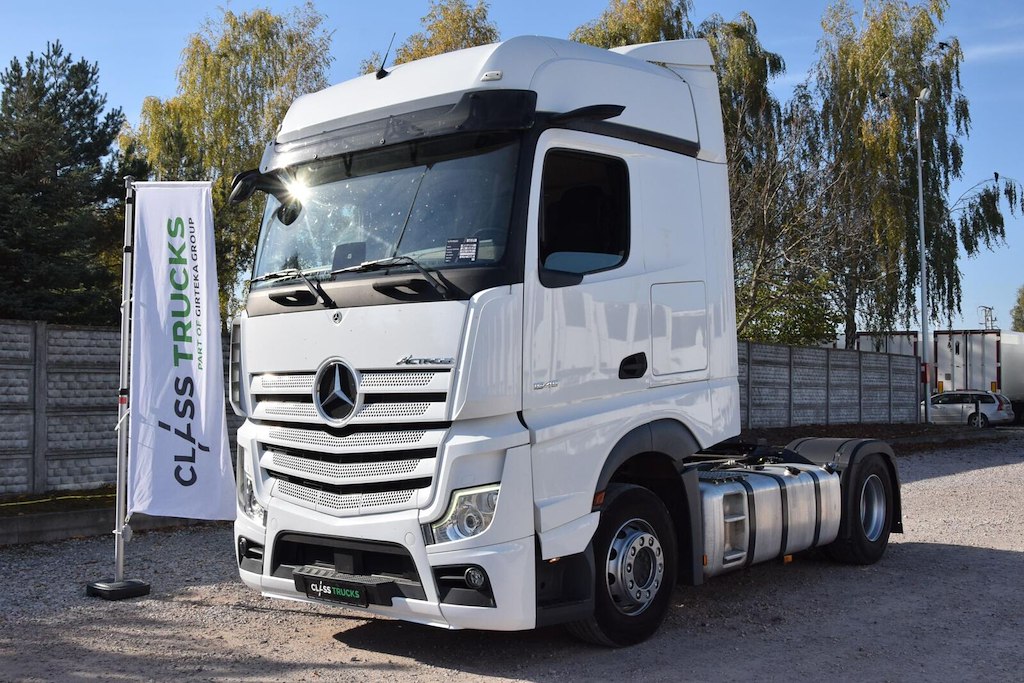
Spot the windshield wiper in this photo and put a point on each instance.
(390, 261)
(317, 289)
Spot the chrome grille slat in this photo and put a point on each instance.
(396, 380)
(388, 412)
(300, 412)
(394, 410)
(372, 382)
(328, 443)
(341, 473)
(405, 382)
(373, 413)
(281, 384)
(351, 503)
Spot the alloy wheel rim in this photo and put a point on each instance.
(872, 507)
(635, 567)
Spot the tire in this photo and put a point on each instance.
(972, 420)
(631, 597)
(867, 520)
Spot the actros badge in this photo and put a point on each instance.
(409, 360)
(336, 392)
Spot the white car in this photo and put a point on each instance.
(976, 408)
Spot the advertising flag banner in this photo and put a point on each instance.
(179, 464)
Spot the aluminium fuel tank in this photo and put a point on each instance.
(759, 513)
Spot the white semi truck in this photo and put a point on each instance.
(488, 354)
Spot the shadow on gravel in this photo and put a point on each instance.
(507, 652)
(51, 653)
(69, 652)
(925, 611)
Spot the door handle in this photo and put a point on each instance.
(633, 367)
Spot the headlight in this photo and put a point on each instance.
(469, 514)
(248, 502)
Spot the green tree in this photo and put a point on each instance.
(823, 188)
(1017, 312)
(237, 77)
(630, 22)
(449, 25)
(873, 64)
(780, 296)
(60, 221)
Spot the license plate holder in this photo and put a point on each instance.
(333, 590)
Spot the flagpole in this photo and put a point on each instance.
(119, 588)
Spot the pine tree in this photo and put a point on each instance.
(59, 185)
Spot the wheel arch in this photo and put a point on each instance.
(652, 455)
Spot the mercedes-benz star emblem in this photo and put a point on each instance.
(336, 392)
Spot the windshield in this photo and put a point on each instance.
(444, 202)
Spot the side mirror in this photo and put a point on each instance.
(289, 211)
(244, 185)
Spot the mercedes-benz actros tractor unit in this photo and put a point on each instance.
(488, 358)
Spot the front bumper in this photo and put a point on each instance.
(509, 566)
(391, 544)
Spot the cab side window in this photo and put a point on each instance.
(584, 225)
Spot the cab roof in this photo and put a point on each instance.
(650, 80)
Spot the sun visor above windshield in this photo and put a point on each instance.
(482, 110)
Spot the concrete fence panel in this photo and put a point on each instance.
(789, 386)
(58, 398)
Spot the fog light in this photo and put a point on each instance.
(475, 578)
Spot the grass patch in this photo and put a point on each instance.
(58, 501)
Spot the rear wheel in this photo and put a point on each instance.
(867, 519)
(977, 420)
(635, 558)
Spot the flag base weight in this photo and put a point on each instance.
(110, 589)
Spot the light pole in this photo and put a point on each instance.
(923, 97)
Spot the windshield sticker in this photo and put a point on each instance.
(461, 250)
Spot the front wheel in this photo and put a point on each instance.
(867, 519)
(635, 558)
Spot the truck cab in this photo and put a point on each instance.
(489, 345)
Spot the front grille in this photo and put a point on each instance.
(380, 461)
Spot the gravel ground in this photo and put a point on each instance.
(943, 604)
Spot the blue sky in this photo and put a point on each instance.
(138, 45)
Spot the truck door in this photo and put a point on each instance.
(587, 306)
(614, 307)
